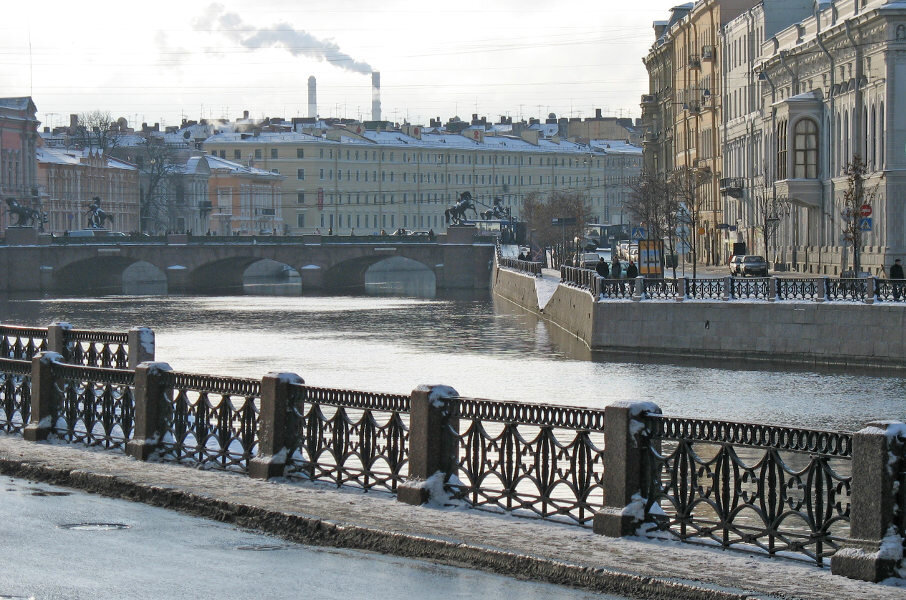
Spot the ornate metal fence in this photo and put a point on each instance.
(15, 394)
(524, 266)
(663, 289)
(705, 289)
(743, 287)
(210, 421)
(853, 290)
(583, 278)
(109, 349)
(544, 461)
(348, 437)
(94, 406)
(617, 288)
(780, 489)
(887, 290)
(799, 288)
(22, 343)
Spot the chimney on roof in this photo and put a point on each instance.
(245, 115)
(375, 96)
(597, 113)
(312, 98)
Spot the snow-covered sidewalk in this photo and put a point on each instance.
(544, 551)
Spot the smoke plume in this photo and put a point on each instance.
(281, 35)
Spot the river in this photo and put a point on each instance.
(482, 347)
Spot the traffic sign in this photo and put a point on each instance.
(638, 233)
(563, 221)
(865, 224)
(865, 210)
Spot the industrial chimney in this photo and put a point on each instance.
(312, 98)
(375, 96)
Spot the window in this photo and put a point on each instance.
(781, 150)
(300, 197)
(300, 173)
(237, 154)
(321, 174)
(273, 153)
(257, 152)
(300, 220)
(300, 153)
(805, 150)
(223, 154)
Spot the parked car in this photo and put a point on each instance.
(589, 260)
(743, 265)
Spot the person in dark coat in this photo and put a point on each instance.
(632, 271)
(602, 268)
(615, 268)
(896, 273)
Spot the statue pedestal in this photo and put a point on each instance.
(461, 234)
(21, 236)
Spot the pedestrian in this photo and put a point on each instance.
(615, 269)
(632, 271)
(896, 273)
(602, 268)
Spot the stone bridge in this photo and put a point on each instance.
(458, 260)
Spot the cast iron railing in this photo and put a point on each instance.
(578, 277)
(523, 266)
(109, 349)
(210, 421)
(782, 490)
(799, 288)
(705, 289)
(887, 290)
(15, 394)
(853, 290)
(617, 288)
(95, 406)
(663, 289)
(537, 460)
(743, 287)
(348, 437)
(22, 343)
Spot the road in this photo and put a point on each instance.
(58, 543)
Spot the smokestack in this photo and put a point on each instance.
(312, 98)
(375, 96)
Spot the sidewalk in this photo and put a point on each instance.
(526, 548)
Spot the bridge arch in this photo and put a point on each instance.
(381, 273)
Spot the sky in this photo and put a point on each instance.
(163, 61)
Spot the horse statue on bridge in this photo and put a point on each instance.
(25, 216)
(457, 213)
(497, 211)
(96, 216)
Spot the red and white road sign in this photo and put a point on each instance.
(865, 210)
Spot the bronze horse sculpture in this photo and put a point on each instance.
(96, 216)
(498, 211)
(25, 216)
(457, 213)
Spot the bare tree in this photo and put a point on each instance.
(855, 196)
(684, 184)
(771, 210)
(157, 163)
(538, 213)
(652, 202)
(97, 129)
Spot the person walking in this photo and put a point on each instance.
(615, 269)
(632, 271)
(602, 268)
(896, 276)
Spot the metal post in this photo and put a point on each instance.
(432, 443)
(272, 425)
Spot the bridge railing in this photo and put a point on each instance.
(623, 470)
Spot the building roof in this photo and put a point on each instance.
(616, 147)
(223, 165)
(61, 156)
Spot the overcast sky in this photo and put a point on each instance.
(164, 60)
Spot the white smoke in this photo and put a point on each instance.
(281, 35)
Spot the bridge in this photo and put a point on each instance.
(458, 259)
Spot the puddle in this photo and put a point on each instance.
(94, 526)
(261, 547)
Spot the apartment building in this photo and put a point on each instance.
(352, 179)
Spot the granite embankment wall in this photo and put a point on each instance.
(807, 333)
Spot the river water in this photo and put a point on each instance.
(482, 347)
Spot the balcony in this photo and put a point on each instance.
(732, 186)
(649, 100)
(205, 206)
(694, 108)
(708, 52)
(694, 61)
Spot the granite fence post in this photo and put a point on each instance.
(871, 290)
(149, 397)
(624, 459)
(875, 547)
(772, 289)
(433, 449)
(141, 346)
(822, 289)
(639, 289)
(43, 396)
(727, 291)
(56, 338)
(273, 420)
(680, 289)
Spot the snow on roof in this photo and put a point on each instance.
(61, 156)
(283, 137)
(616, 146)
(221, 164)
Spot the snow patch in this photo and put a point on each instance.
(63, 325)
(176, 268)
(156, 368)
(286, 377)
(146, 340)
(51, 357)
(311, 268)
(438, 393)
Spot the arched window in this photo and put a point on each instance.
(781, 150)
(805, 150)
